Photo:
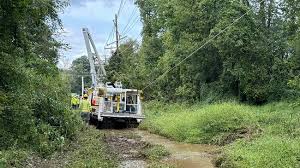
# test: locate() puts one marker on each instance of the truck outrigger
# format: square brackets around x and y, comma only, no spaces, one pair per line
[111,102]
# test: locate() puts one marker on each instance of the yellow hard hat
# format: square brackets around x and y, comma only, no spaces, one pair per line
[85,95]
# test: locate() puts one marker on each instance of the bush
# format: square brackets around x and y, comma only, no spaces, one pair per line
[36,113]
[13,158]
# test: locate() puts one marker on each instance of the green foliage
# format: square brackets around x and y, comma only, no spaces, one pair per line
[156,152]
[251,60]
[13,158]
[126,66]
[36,113]
[35,102]
[80,67]
[295,83]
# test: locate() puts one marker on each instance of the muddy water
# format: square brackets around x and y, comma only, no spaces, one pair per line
[182,154]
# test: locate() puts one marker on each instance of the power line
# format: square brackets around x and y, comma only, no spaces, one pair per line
[120,7]
[109,37]
[122,3]
[132,25]
[130,18]
[207,42]
[134,49]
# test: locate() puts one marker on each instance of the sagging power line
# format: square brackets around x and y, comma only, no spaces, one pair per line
[196,50]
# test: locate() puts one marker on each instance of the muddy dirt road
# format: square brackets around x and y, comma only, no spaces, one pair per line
[129,143]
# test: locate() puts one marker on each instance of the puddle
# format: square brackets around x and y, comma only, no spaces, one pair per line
[182,154]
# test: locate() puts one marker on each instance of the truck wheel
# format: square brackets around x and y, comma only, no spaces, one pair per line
[99,125]
[132,124]
[136,125]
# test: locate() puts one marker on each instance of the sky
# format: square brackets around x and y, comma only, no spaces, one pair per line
[97,16]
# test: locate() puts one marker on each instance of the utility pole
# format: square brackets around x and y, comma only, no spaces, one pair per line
[117,33]
[82,87]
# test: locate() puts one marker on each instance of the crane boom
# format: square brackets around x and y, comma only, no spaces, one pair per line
[93,56]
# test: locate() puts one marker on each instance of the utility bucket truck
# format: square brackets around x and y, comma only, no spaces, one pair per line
[112,104]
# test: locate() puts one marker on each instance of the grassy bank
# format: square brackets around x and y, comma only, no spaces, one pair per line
[252,136]
[88,150]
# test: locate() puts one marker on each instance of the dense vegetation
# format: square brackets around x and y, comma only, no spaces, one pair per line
[256,60]
[253,60]
[264,136]
[34,94]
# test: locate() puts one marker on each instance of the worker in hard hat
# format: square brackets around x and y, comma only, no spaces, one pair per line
[85,108]
[73,102]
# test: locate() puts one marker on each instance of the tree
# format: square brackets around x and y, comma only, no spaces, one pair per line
[250,60]
[34,103]
[80,67]
[125,65]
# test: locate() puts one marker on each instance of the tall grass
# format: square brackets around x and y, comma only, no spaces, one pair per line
[254,136]
[198,123]
[264,152]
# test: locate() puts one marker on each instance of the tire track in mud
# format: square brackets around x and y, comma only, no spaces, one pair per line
[127,146]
